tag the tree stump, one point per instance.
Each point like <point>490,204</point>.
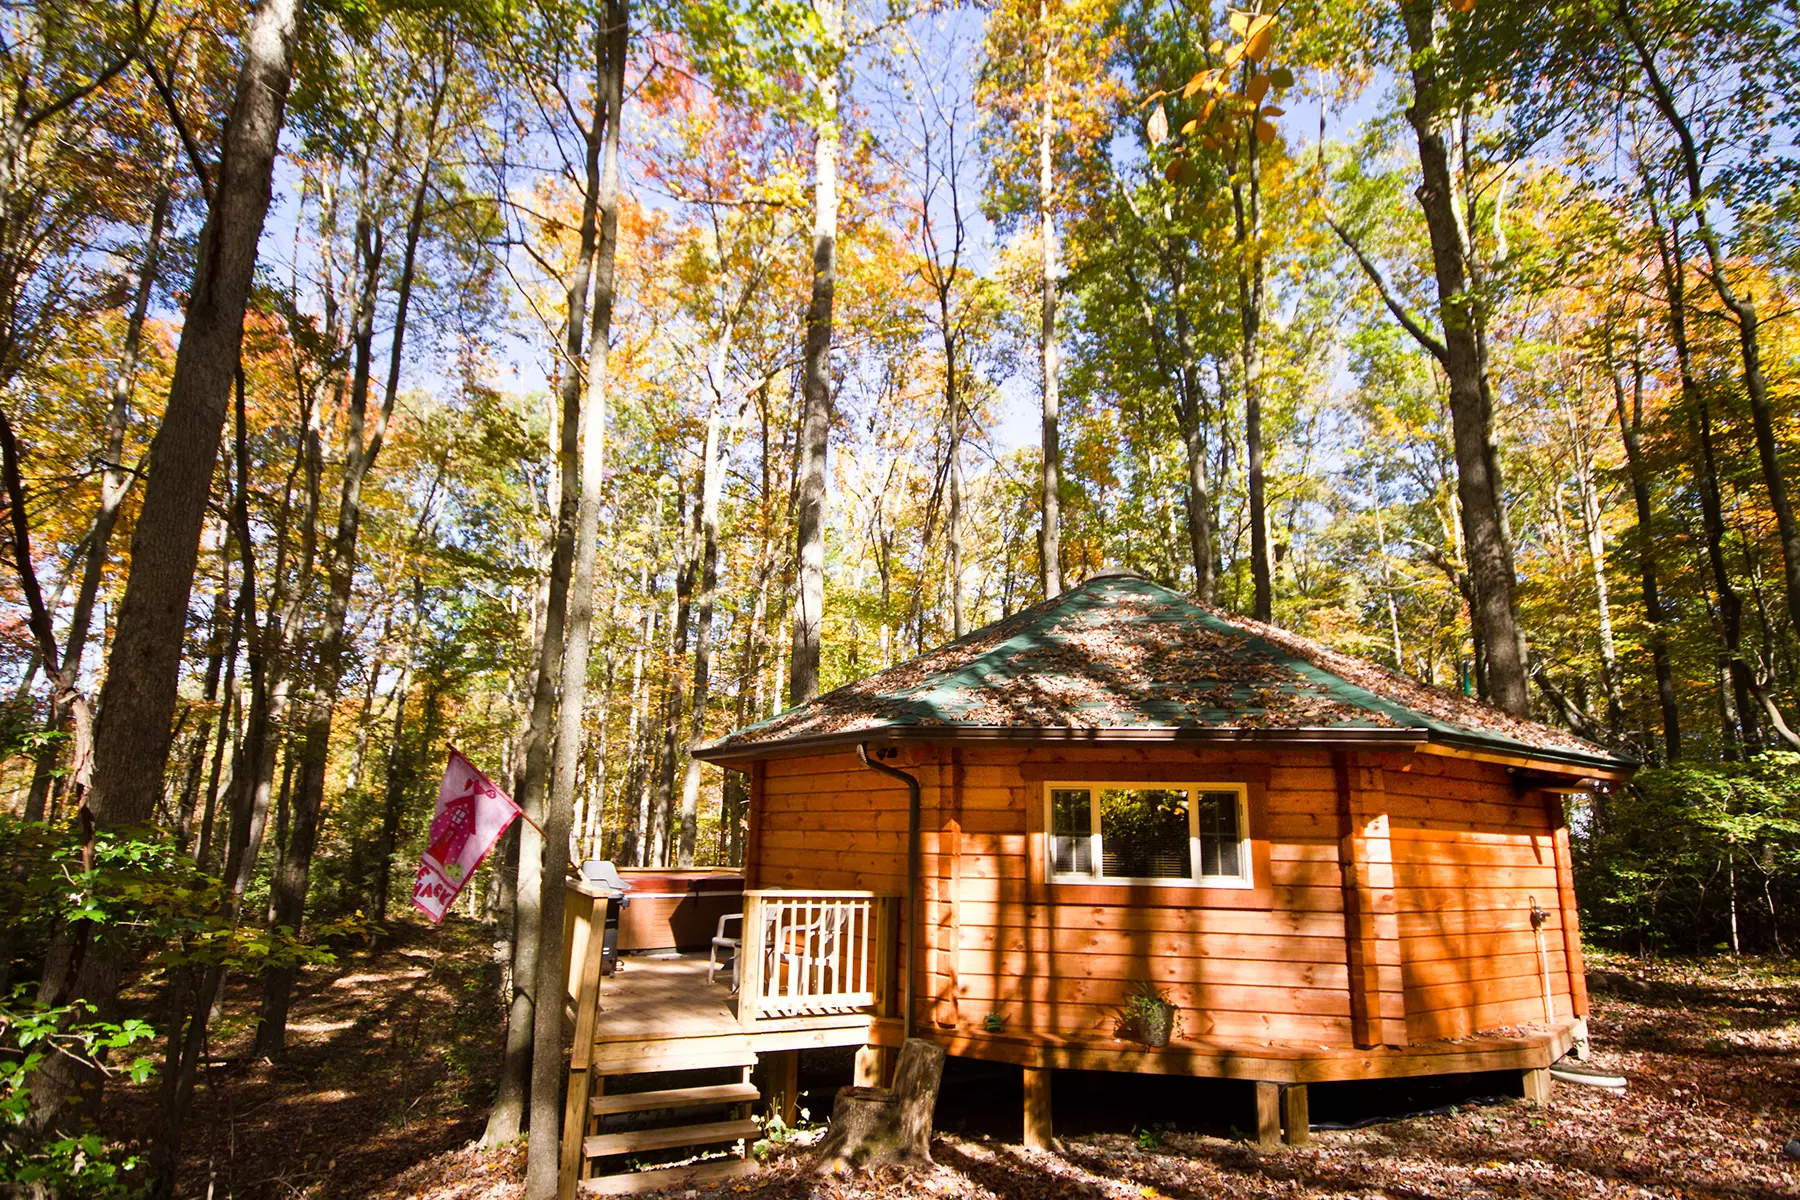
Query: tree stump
<point>883,1125</point>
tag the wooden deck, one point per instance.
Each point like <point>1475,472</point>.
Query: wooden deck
<point>658,1013</point>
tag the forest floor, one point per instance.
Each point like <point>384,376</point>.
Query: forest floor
<point>393,1051</point>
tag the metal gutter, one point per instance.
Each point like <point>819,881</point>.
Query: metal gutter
<point>912,873</point>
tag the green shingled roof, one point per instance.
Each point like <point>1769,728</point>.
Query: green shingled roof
<point>1120,657</point>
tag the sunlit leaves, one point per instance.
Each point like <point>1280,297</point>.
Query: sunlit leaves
<point>1232,95</point>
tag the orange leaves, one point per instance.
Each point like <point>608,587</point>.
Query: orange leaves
<point>1235,90</point>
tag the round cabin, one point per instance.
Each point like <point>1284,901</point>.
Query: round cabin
<point>1118,801</point>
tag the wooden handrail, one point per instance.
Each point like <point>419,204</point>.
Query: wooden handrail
<point>807,952</point>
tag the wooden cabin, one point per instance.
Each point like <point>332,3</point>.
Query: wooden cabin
<point>1334,872</point>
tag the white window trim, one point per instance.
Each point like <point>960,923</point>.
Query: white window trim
<point>1243,881</point>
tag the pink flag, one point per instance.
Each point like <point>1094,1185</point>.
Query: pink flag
<point>471,815</point>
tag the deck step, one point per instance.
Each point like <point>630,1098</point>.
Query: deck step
<point>672,1054</point>
<point>632,1140</point>
<point>692,1097</point>
<point>667,1177</point>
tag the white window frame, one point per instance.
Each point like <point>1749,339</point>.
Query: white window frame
<point>1244,880</point>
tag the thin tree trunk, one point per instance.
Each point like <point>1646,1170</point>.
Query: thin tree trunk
<point>229,725</point>
<point>225,618</point>
<point>1595,537</point>
<point>675,699</point>
<point>1050,469</point>
<point>401,764</point>
<point>1739,719</point>
<point>1630,422</point>
<point>507,1115</point>
<point>712,482</point>
<point>815,430</point>
<point>1742,308</point>
<point>1387,588</point>
<point>611,37</point>
<point>1246,204</point>
<point>363,441</point>
<point>115,483</point>
<point>1479,486</point>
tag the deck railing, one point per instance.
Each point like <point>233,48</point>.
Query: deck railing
<point>815,953</point>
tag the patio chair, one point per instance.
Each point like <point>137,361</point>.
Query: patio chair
<point>815,942</point>
<point>722,942</point>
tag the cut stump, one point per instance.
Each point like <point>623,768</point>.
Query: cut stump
<point>886,1125</point>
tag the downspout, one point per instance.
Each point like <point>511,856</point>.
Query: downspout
<point>912,874</point>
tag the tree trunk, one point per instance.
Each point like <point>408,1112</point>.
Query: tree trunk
<point>363,440</point>
<point>138,701</point>
<point>1743,310</point>
<point>507,1116</point>
<point>401,764</point>
<point>1246,204</point>
<point>815,421</point>
<point>953,529</point>
<point>1595,537</point>
<point>1630,422</point>
<point>611,37</point>
<point>1490,557</point>
<point>115,483</point>
<point>663,835</point>
<point>1050,470</point>
<point>712,481</point>
<point>1738,717</point>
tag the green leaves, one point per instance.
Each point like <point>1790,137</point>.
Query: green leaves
<point>56,1161</point>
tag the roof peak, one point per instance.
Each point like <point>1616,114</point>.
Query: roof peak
<point>1120,655</point>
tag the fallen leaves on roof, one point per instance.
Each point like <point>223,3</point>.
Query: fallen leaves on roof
<point>1120,652</point>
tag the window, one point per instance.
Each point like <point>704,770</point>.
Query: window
<point>1195,834</point>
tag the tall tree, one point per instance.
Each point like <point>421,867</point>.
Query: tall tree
<point>611,37</point>
<point>137,703</point>
<point>815,389</point>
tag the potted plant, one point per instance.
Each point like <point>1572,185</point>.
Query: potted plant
<point>1149,1016</point>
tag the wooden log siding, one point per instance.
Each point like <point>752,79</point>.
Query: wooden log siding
<point>1452,946</point>
<point>1372,924</point>
<point>1470,852</point>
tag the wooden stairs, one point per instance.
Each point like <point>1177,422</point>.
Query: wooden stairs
<point>703,1131</point>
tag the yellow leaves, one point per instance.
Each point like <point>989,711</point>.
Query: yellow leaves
<point>1237,88</point>
<point>1462,6</point>
<point>1260,38</point>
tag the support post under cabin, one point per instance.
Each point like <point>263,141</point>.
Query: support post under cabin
<point>782,1082</point>
<point>1296,1120</point>
<point>1268,1113</point>
<point>1536,1083</point>
<point>1282,1114</point>
<point>1040,1130</point>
